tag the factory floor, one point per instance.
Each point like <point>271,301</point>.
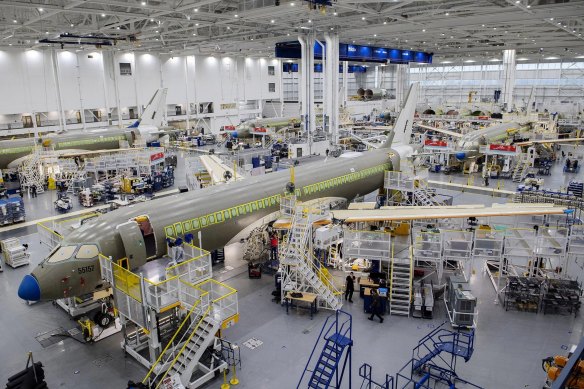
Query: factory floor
<point>509,346</point>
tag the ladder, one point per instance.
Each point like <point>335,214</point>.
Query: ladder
<point>425,198</point>
<point>334,258</point>
<point>302,271</point>
<point>520,169</point>
<point>337,342</point>
<point>400,287</point>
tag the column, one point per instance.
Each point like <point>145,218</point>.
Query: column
<point>508,78</point>
<point>402,83</point>
<point>332,84</point>
<point>345,82</point>
<point>307,84</point>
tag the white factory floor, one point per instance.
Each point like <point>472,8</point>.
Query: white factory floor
<point>509,346</point>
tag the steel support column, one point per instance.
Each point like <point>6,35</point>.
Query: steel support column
<point>332,84</point>
<point>307,85</point>
<point>508,80</point>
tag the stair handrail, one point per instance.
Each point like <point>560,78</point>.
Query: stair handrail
<point>327,336</point>
<point>185,320</point>
<point>365,372</point>
<point>195,306</point>
<point>203,316</point>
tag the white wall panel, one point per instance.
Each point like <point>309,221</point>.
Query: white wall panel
<point>148,76</point>
<point>13,84</point>
<point>41,87</point>
<point>91,80</point>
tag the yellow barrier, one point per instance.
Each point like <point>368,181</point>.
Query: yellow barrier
<point>127,282</point>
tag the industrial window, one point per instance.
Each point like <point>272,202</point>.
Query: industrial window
<point>187,226</point>
<point>218,217</point>
<point>226,215</point>
<point>298,193</point>
<point>169,231</point>
<point>272,87</point>
<point>241,210</point>
<point>195,223</point>
<point>178,228</point>
<point>273,200</point>
<point>125,69</point>
<point>254,207</point>
<point>260,204</point>
<point>271,70</point>
<point>203,221</point>
<point>247,209</point>
<point>212,219</point>
<point>277,198</point>
<point>62,253</point>
<point>87,251</point>
<point>233,212</point>
<point>266,203</point>
<point>320,186</point>
<point>305,190</point>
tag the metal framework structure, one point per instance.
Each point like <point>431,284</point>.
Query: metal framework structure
<point>450,28</point>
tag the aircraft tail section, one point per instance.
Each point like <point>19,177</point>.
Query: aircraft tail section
<point>402,129</point>
<point>154,112</point>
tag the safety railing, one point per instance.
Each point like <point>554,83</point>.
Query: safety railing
<point>195,269</point>
<point>287,205</point>
<point>365,372</point>
<point>223,298</point>
<point>48,236</point>
<point>177,355</point>
<point>168,352</point>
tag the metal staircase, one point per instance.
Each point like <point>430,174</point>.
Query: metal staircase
<point>425,197</point>
<point>434,360</point>
<point>192,351</point>
<point>302,270</point>
<point>400,293</point>
<point>520,170</point>
<point>337,342</point>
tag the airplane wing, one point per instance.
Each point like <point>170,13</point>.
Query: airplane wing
<point>445,212</point>
<point>217,169</point>
<point>446,132</point>
<point>544,141</point>
<point>373,128</point>
<point>366,141</point>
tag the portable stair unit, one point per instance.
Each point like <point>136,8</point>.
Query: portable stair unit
<point>365,372</point>
<point>302,272</point>
<point>400,287</point>
<point>520,170</point>
<point>434,360</point>
<point>335,343</point>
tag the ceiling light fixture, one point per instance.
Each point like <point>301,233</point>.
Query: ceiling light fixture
<point>272,21</point>
<point>309,21</point>
<point>72,25</point>
<point>196,10</point>
<point>424,30</point>
<point>143,3</point>
<point>447,13</point>
<point>103,15</point>
<point>362,17</point>
<point>41,10</point>
<point>236,15</point>
<point>15,21</point>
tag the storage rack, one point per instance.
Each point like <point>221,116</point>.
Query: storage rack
<point>561,297</point>
<point>523,294</point>
<point>14,253</point>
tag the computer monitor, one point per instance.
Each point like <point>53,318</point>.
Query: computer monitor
<point>382,292</point>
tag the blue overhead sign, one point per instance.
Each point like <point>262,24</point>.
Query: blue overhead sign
<point>348,52</point>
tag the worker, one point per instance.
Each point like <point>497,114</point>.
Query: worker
<point>350,287</point>
<point>375,305</point>
<point>33,190</point>
<point>274,247</point>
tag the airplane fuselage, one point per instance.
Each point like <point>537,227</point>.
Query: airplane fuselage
<point>219,212</point>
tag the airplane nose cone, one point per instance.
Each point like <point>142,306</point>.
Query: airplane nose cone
<point>29,289</point>
<point>234,134</point>
<point>460,156</point>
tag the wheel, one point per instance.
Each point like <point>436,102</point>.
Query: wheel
<point>105,320</point>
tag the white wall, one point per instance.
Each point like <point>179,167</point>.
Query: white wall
<point>91,80</point>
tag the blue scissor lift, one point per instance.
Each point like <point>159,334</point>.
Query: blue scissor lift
<point>433,362</point>
<point>334,344</point>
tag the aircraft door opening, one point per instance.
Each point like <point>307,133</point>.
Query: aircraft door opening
<point>134,245</point>
<point>147,234</point>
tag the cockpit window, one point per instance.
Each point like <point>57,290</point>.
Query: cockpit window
<point>62,253</point>
<point>87,251</point>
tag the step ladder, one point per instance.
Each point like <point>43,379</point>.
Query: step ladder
<point>434,360</point>
<point>520,170</point>
<point>334,258</point>
<point>335,345</point>
<point>400,287</point>
<point>302,271</point>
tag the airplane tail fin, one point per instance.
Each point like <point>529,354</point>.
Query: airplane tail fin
<point>402,129</point>
<point>154,112</point>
